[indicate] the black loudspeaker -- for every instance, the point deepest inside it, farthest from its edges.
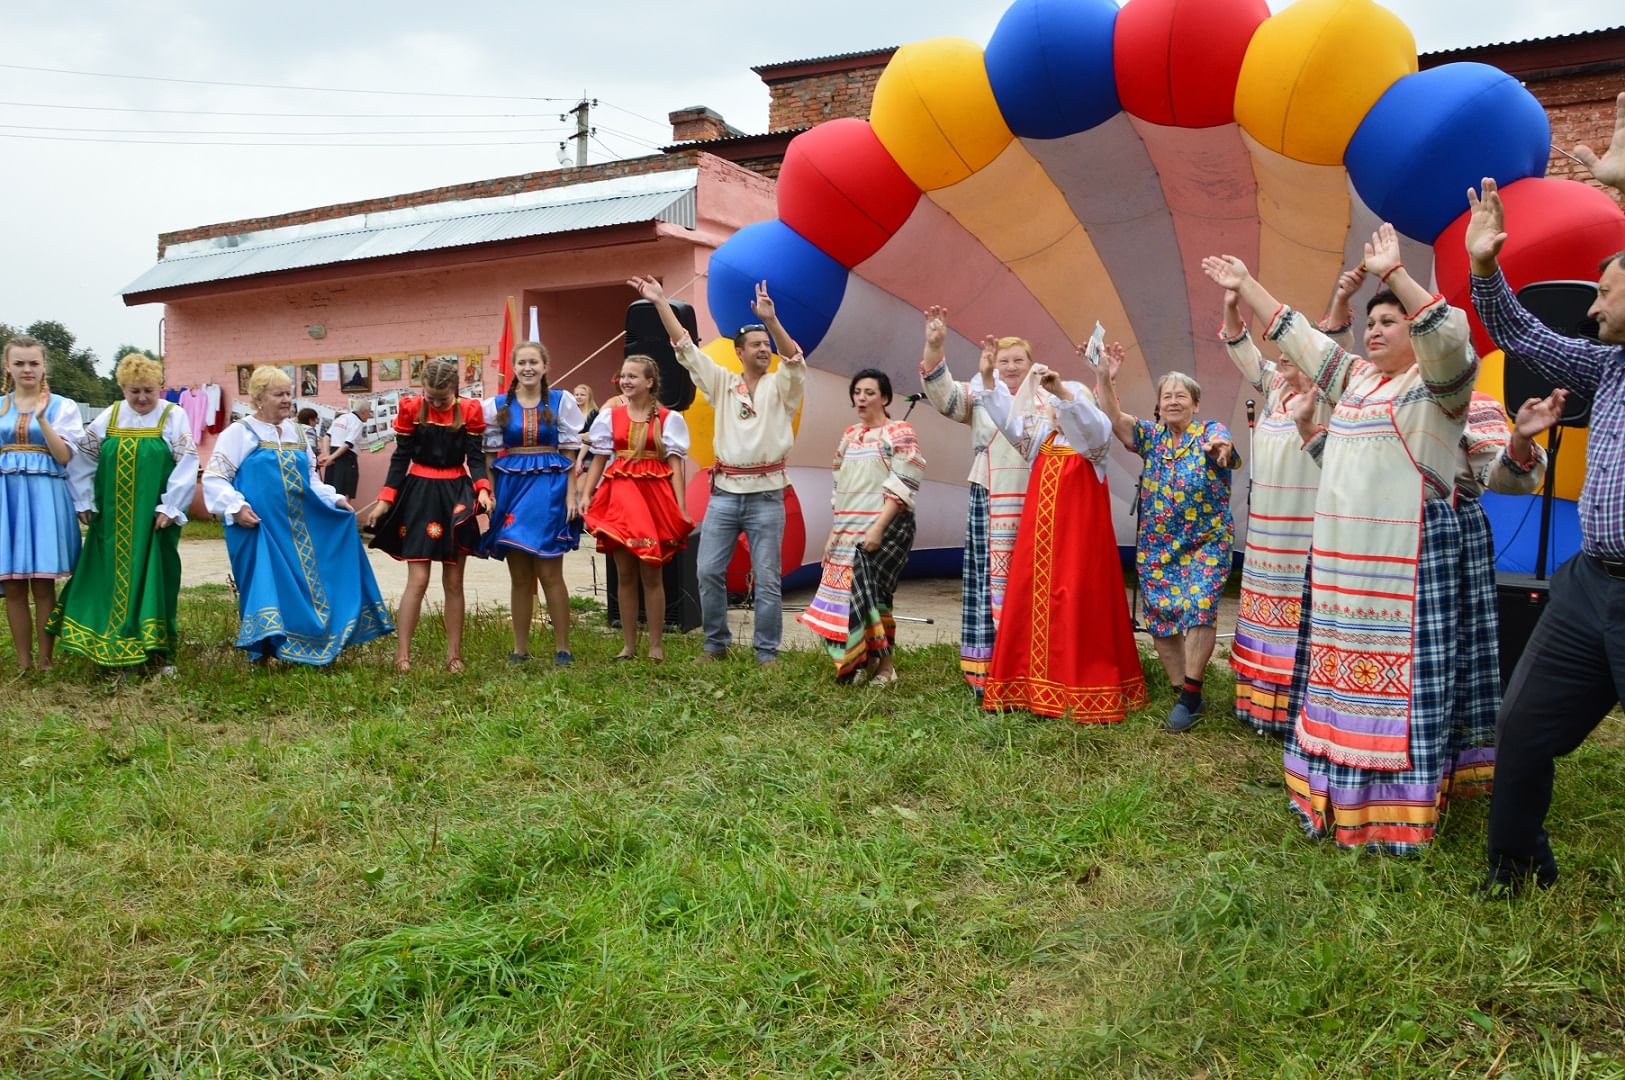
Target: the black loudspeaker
(1561, 305)
(1520, 599)
(646, 336)
(682, 580)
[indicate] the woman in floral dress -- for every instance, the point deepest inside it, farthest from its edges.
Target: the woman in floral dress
(1185, 532)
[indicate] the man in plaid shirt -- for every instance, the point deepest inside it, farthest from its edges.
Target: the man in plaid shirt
(1572, 673)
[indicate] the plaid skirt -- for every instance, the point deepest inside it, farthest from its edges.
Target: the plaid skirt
(1396, 812)
(976, 595)
(871, 632)
(1478, 658)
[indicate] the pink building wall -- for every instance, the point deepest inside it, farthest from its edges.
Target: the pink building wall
(369, 311)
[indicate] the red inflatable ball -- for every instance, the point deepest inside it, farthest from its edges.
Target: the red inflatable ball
(1178, 60)
(790, 552)
(840, 188)
(1557, 230)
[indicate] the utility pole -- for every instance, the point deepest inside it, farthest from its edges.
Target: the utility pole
(582, 112)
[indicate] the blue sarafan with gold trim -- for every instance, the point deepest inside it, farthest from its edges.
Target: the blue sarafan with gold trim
(305, 589)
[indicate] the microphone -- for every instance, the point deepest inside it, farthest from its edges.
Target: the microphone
(912, 398)
(1252, 415)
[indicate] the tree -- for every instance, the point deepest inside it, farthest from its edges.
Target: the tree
(70, 371)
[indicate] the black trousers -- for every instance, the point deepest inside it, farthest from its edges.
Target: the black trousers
(344, 475)
(1571, 675)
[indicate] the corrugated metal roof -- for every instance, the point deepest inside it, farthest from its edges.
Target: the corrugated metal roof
(1598, 32)
(430, 228)
(883, 50)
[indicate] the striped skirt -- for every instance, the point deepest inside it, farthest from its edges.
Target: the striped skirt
(1397, 812)
(1478, 658)
(871, 633)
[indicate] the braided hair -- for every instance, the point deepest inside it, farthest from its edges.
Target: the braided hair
(440, 374)
(652, 371)
(546, 414)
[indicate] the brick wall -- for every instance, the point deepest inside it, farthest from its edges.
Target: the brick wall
(803, 102)
(477, 189)
(1581, 109)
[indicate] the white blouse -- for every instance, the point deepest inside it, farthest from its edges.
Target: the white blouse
(220, 495)
(674, 435)
(567, 418)
(1078, 423)
(177, 433)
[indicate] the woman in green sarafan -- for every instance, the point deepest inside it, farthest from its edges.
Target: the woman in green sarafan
(133, 477)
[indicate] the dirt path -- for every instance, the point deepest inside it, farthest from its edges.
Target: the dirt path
(485, 583)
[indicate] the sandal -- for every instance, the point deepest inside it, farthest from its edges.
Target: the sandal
(625, 656)
(454, 665)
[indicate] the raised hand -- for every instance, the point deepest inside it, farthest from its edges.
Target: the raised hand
(1610, 168)
(1348, 283)
(936, 326)
(648, 288)
(763, 304)
(1540, 414)
(1382, 254)
(1486, 228)
(1225, 271)
(984, 363)
(1111, 360)
(1049, 379)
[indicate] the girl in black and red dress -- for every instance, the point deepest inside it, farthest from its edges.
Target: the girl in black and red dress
(426, 512)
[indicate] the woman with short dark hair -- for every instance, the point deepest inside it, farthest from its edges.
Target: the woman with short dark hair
(878, 469)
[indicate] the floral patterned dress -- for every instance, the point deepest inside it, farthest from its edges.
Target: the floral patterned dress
(1186, 531)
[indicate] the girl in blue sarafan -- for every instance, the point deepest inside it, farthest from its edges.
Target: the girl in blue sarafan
(39, 535)
(535, 433)
(305, 590)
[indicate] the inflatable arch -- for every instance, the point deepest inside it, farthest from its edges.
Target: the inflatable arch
(1077, 169)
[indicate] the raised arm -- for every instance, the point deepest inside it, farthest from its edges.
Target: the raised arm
(768, 312)
(1321, 358)
(1610, 168)
(1243, 353)
(1439, 332)
(1106, 393)
(1574, 363)
(1340, 316)
(709, 376)
(1511, 463)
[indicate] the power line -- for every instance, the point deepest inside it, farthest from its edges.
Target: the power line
(330, 145)
(629, 112)
(277, 86)
(284, 115)
(333, 134)
(628, 136)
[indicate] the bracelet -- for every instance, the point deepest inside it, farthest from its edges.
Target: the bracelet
(1391, 269)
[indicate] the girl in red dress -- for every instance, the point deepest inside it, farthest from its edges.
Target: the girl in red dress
(636, 507)
(427, 510)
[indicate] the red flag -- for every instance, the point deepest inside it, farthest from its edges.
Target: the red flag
(505, 346)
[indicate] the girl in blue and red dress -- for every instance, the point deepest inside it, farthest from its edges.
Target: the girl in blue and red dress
(535, 431)
(426, 512)
(637, 512)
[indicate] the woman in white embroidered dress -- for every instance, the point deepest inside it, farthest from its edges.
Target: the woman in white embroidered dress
(1367, 757)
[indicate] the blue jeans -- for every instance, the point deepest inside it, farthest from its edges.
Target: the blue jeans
(760, 516)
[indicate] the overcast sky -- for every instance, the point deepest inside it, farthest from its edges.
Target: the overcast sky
(83, 212)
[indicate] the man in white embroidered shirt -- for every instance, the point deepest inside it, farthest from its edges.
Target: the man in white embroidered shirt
(754, 434)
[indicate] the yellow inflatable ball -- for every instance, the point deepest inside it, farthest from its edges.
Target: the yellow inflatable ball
(1313, 71)
(702, 419)
(934, 111)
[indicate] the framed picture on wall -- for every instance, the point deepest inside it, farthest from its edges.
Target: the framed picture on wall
(310, 382)
(471, 368)
(292, 372)
(414, 369)
(387, 369)
(355, 376)
(244, 373)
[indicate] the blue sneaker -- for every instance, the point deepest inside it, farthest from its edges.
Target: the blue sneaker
(562, 659)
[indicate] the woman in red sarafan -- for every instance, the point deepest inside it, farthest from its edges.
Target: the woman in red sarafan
(636, 505)
(427, 510)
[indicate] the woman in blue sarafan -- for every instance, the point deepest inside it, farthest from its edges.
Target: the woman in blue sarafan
(305, 591)
(536, 433)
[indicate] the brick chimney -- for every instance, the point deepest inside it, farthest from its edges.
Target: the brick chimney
(808, 92)
(698, 123)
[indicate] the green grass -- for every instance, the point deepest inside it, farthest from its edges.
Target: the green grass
(677, 871)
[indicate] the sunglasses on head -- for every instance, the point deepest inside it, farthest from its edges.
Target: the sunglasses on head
(749, 327)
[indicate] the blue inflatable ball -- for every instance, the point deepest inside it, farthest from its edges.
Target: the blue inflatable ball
(1434, 134)
(1050, 63)
(806, 284)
